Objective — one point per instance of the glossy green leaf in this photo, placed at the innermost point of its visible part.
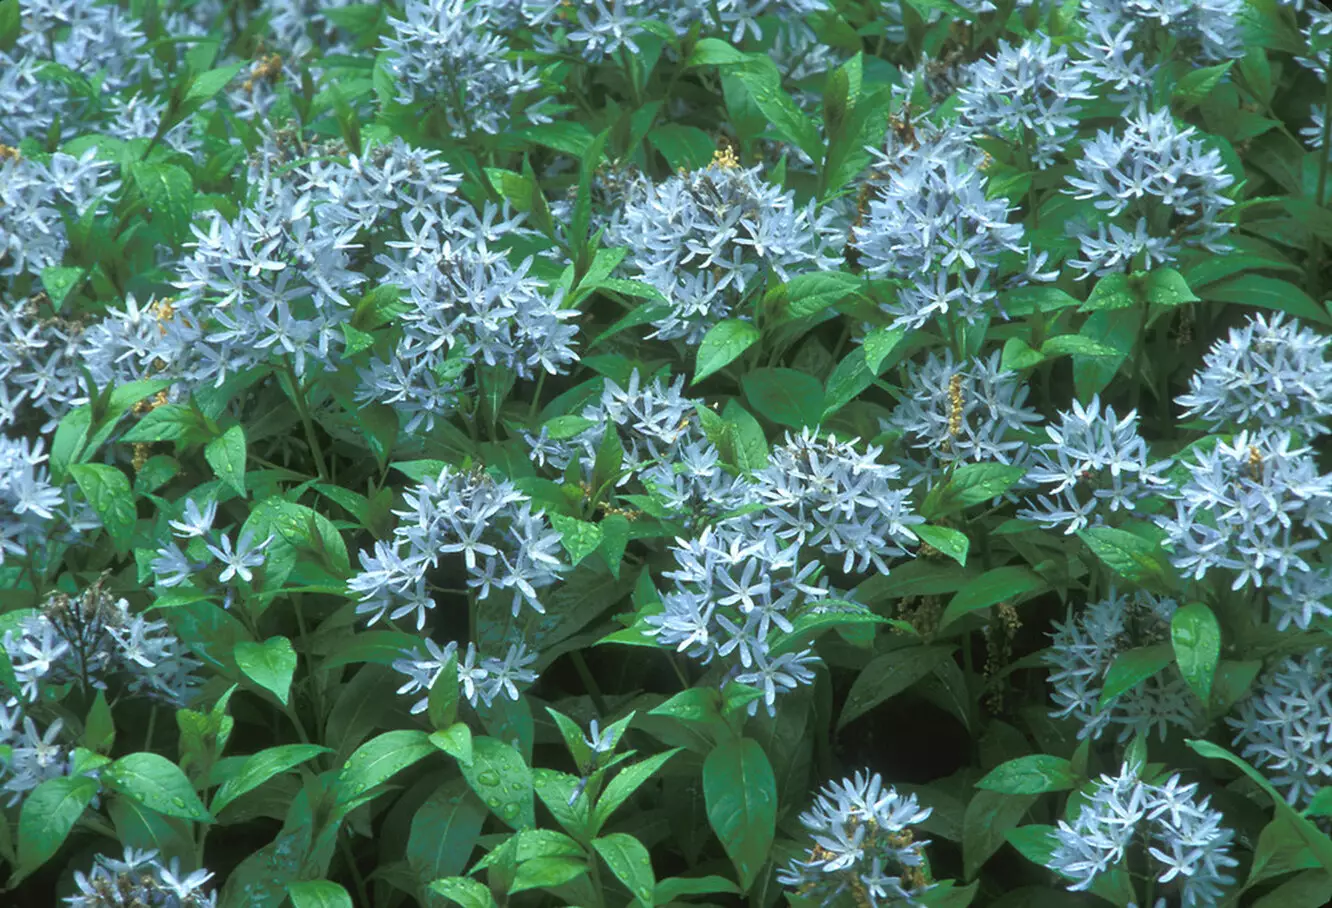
(1131, 667)
(270, 665)
(630, 862)
(740, 791)
(503, 781)
(785, 396)
(48, 814)
(379, 759)
(318, 894)
(156, 783)
(108, 491)
(1034, 774)
(260, 767)
(1196, 637)
(888, 675)
(226, 455)
(724, 341)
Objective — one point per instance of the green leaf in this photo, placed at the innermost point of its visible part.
(1035, 842)
(226, 455)
(442, 702)
(578, 537)
(270, 665)
(974, 483)
(683, 147)
(630, 862)
(503, 781)
(444, 831)
(994, 586)
(318, 894)
(108, 491)
(1114, 291)
(888, 675)
(58, 281)
(169, 422)
(809, 294)
(953, 543)
(670, 890)
(1033, 774)
(879, 345)
(562, 428)
(207, 84)
(49, 812)
(259, 768)
(785, 396)
(761, 77)
(721, 345)
(564, 136)
(740, 792)
(1167, 287)
(156, 783)
(1074, 345)
(467, 893)
(99, 729)
(11, 23)
(1198, 83)
(1268, 293)
(1131, 668)
(626, 782)
(715, 52)
(1130, 556)
(1196, 637)
(169, 192)
(1317, 840)
(456, 741)
(379, 759)
(985, 825)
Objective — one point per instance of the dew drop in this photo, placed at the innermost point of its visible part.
(493, 802)
(488, 777)
(510, 810)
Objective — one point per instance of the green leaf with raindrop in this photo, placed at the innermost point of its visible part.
(503, 781)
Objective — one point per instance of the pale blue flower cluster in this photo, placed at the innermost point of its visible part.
(709, 240)
(35, 198)
(207, 548)
(1027, 95)
(448, 55)
(862, 843)
(480, 679)
(1270, 373)
(930, 224)
(1084, 647)
(504, 543)
(1160, 189)
(1284, 726)
(957, 413)
(1254, 506)
(1094, 465)
(99, 46)
(1184, 837)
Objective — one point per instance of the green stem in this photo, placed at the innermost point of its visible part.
(350, 858)
(298, 397)
(589, 682)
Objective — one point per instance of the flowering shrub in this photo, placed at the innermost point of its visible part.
(629, 452)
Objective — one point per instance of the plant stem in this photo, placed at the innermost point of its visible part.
(585, 674)
(298, 397)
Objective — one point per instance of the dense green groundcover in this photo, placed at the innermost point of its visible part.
(606, 452)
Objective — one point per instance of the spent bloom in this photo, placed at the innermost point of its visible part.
(1159, 189)
(1027, 95)
(1253, 505)
(1083, 648)
(1184, 837)
(141, 879)
(862, 842)
(1284, 726)
(91, 638)
(1095, 463)
(1269, 373)
(709, 239)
